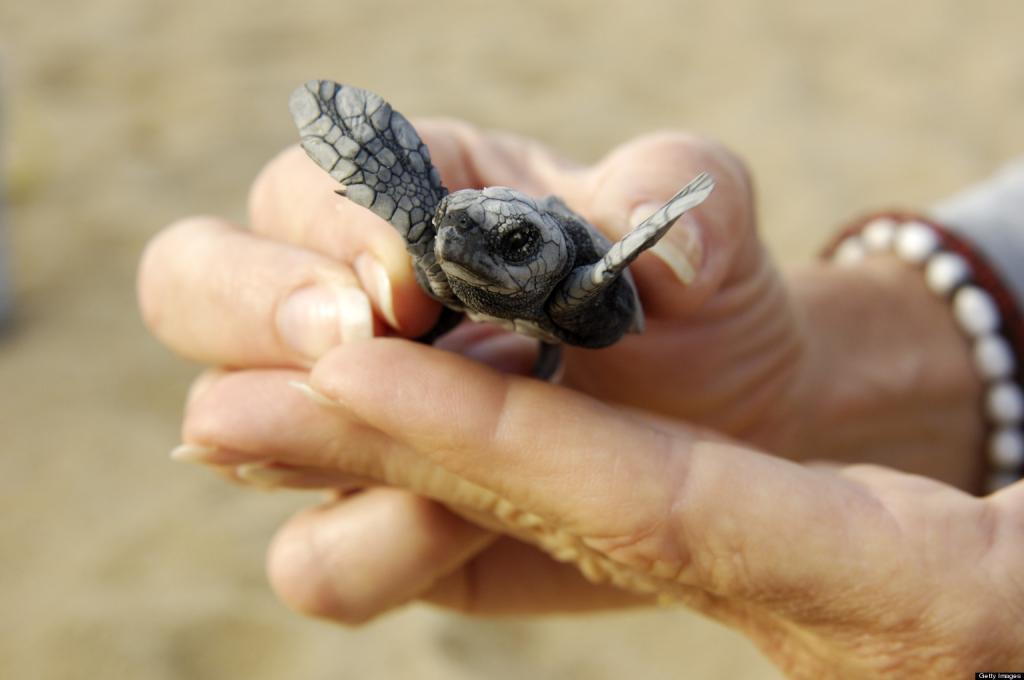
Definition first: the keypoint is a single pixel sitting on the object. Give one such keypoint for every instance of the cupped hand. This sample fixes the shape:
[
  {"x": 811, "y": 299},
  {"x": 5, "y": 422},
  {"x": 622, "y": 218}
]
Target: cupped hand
[
  {"x": 722, "y": 344},
  {"x": 835, "y": 572}
]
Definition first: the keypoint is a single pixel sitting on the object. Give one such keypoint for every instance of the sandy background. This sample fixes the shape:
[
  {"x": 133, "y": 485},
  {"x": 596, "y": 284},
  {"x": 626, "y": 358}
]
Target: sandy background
[{"x": 121, "y": 115}]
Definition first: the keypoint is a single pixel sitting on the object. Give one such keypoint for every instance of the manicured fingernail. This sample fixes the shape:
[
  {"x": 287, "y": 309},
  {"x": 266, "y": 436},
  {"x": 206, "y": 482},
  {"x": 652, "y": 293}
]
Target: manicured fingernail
[
  {"x": 314, "y": 319},
  {"x": 262, "y": 475},
  {"x": 676, "y": 260},
  {"x": 313, "y": 395},
  {"x": 191, "y": 453},
  {"x": 377, "y": 285},
  {"x": 680, "y": 249}
]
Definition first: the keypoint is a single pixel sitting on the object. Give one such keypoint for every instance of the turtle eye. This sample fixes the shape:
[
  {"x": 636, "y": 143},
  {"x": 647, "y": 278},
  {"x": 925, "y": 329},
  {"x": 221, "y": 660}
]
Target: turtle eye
[{"x": 518, "y": 245}]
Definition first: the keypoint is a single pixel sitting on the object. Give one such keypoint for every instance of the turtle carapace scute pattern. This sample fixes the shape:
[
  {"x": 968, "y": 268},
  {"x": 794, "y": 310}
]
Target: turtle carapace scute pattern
[{"x": 495, "y": 254}]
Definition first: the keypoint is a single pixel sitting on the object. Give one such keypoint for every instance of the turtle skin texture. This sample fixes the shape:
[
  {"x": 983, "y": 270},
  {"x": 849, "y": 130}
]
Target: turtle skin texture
[{"x": 494, "y": 254}]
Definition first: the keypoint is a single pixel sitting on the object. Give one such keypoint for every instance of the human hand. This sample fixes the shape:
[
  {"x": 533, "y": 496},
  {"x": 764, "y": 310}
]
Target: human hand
[
  {"x": 870, "y": 362},
  {"x": 718, "y": 322},
  {"x": 834, "y": 572}
]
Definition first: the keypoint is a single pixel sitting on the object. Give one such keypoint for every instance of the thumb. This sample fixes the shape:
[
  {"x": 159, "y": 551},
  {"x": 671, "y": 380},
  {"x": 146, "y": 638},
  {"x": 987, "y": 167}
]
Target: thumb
[
  {"x": 645, "y": 504},
  {"x": 709, "y": 247}
]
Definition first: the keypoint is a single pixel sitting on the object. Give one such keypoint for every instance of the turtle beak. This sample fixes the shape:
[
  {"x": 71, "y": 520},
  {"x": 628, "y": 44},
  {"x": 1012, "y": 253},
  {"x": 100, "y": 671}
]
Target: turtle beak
[
  {"x": 459, "y": 251},
  {"x": 459, "y": 240}
]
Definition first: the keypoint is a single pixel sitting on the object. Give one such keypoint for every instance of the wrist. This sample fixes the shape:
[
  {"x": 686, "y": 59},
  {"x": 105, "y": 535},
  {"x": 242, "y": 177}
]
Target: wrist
[{"x": 888, "y": 374}]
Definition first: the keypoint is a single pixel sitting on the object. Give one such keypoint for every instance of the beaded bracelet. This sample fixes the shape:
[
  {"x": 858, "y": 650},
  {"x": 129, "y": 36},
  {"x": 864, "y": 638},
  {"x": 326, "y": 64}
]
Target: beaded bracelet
[{"x": 984, "y": 308}]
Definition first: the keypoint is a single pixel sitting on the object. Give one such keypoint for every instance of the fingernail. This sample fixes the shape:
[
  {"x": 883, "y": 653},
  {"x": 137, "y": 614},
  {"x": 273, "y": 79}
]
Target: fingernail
[
  {"x": 262, "y": 475},
  {"x": 377, "y": 285},
  {"x": 191, "y": 453},
  {"x": 680, "y": 264},
  {"x": 314, "y": 319},
  {"x": 313, "y": 395},
  {"x": 680, "y": 249}
]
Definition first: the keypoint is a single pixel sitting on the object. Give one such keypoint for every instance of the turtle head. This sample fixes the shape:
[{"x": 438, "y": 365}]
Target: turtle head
[{"x": 500, "y": 241}]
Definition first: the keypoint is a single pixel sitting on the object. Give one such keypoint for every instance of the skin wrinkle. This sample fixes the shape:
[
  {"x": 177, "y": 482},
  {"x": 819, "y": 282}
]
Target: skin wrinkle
[
  {"x": 772, "y": 387},
  {"x": 878, "y": 656},
  {"x": 635, "y": 547},
  {"x": 730, "y": 533},
  {"x": 703, "y": 566},
  {"x": 754, "y": 335},
  {"x": 1007, "y": 527},
  {"x": 996, "y": 525},
  {"x": 857, "y": 649},
  {"x": 748, "y": 293},
  {"x": 754, "y": 332},
  {"x": 608, "y": 564},
  {"x": 833, "y": 616},
  {"x": 721, "y": 569},
  {"x": 496, "y": 430},
  {"x": 505, "y": 557},
  {"x": 838, "y": 304},
  {"x": 791, "y": 646}
]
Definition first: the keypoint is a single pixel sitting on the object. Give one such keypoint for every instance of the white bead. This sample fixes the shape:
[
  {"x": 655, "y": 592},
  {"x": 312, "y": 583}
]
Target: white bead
[
  {"x": 850, "y": 251},
  {"x": 1000, "y": 480},
  {"x": 1005, "y": 403},
  {"x": 975, "y": 311},
  {"x": 915, "y": 242},
  {"x": 1006, "y": 449},
  {"x": 879, "y": 234},
  {"x": 945, "y": 271},
  {"x": 993, "y": 357}
]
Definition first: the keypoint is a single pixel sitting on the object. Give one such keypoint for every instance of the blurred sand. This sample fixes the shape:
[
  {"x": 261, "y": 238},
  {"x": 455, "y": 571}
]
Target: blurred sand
[{"x": 123, "y": 115}]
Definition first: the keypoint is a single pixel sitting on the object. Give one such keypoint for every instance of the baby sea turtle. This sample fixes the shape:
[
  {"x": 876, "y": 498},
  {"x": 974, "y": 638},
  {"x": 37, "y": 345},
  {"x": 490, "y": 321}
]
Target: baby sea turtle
[{"x": 494, "y": 254}]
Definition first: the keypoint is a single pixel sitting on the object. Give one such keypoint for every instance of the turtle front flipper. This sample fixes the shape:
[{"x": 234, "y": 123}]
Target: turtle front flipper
[
  {"x": 375, "y": 153},
  {"x": 595, "y": 303}
]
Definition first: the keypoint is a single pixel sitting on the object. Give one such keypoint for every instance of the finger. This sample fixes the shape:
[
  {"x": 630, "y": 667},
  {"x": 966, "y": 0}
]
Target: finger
[
  {"x": 472, "y": 413},
  {"x": 293, "y": 200},
  {"x": 671, "y": 505},
  {"x": 709, "y": 246},
  {"x": 353, "y": 559},
  {"x": 255, "y": 416},
  {"x": 216, "y": 294},
  {"x": 279, "y": 424}
]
